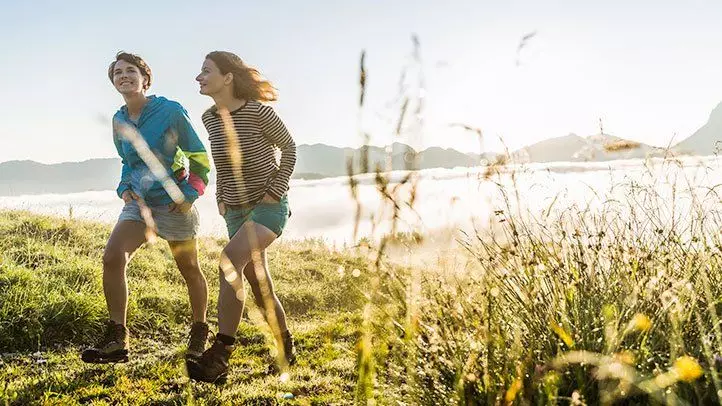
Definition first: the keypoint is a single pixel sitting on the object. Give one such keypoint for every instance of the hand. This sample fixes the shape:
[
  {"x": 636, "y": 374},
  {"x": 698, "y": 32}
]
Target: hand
[
  {"x": 268, "y": 199},
  {"x": 128, "y": 196},
  {"x": 222, "y": 209},
  {"x": 180, "y": 208}
]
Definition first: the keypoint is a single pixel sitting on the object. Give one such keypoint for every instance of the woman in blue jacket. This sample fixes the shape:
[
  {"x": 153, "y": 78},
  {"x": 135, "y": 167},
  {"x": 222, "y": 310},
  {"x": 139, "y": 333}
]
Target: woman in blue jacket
[{"x": 153, "y": 136}]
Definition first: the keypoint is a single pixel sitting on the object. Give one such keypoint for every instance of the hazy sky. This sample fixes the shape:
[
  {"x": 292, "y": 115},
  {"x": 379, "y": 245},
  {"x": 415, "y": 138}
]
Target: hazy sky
[{"x": 649, "y": 69}]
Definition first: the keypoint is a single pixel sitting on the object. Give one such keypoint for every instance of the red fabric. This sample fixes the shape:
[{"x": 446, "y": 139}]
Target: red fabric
[{"x": 197, "y": 183}]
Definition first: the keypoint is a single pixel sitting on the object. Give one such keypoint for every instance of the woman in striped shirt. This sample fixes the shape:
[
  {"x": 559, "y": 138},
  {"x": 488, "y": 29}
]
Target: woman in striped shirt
[{"x": 251, "y": 196}]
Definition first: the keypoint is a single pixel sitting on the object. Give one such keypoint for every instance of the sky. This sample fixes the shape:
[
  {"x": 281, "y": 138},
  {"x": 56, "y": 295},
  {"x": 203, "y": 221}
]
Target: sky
[{"x": 650, "y": 70}]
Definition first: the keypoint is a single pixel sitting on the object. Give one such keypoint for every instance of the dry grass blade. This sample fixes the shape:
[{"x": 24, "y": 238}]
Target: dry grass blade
[
  {"x": 362, "y": 79},
  {"x": 621, "y": 145},
  {"x": 132, "y": 135},
  {"x": 479, "y": 136},
  {"x": 522, "y": 44}
]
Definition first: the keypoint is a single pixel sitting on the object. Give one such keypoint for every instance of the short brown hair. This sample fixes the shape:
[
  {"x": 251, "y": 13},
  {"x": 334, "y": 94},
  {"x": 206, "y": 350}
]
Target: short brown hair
[
  {"x": 133, "y": 60},
  {"x": 248, "y": 84}
]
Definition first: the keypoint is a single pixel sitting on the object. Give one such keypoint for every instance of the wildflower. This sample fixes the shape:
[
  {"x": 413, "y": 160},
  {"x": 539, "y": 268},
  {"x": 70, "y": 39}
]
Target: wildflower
[
  {"x": 687, "y": 369},
  {"x": 563, "y": 335},
  {"x": 640, "y": 322},
  {"x": 513, "y": 391}
]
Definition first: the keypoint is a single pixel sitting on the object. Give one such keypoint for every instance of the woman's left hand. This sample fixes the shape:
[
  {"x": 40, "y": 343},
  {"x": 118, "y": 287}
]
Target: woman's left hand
[
  {"x": 180, "y": 208},
  {"x": 269, "y": 199}
]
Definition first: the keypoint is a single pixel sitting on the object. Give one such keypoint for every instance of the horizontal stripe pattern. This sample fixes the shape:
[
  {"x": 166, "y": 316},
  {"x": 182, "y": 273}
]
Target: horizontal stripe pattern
[{"x": 259, "y": 134}]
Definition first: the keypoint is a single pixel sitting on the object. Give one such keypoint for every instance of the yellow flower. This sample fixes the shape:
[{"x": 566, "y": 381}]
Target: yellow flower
[
  {"x": 513, "y": 391},
  {"x": 566, "y": 337},
  {"x": 687, "y": 369},
  {"x": 640, "y": 322}
]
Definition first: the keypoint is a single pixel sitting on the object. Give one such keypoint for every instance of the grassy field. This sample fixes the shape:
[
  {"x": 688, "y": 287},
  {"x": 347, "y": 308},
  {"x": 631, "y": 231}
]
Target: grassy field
[
  {"x": 602, "y": 307},
  {"x": 51, "y": 305}
]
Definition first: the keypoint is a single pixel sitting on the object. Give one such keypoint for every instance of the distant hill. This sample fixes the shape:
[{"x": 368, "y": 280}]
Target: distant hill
[
  {"x": 436, "y": 157},
  {"x": 30, "y": 177},
  {"x": 313, "y": 162},
  {"x": 319, "y": 160},
  {"x": 605, "y": 147},
  {"x": 551, "y": 150},
  {"x": 594, "y": 148},
  {"x": 704, "y": 141},
  {"x": 332, "y": 161}
]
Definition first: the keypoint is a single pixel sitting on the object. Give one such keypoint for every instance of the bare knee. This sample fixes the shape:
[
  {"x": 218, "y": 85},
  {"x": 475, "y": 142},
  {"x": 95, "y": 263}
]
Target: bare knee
[
  {"x": 190, "y": 270},
  {"x": 258, "y": 277},
  {"x": 235, "y": 257},
  {"x": 114, "y": 260}
]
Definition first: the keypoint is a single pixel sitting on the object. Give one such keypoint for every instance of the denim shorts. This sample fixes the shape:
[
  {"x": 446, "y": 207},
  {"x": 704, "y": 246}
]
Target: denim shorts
[
  {"x": 270, "y": 215},
  {"x": 169, "y": 226}
]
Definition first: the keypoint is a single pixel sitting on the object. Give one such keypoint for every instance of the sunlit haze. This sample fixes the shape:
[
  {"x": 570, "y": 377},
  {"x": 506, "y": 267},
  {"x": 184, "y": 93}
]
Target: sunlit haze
[{"x": 648, "y": 70}]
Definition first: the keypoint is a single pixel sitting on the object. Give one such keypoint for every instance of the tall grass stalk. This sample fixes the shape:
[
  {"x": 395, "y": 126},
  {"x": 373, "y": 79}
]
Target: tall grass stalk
[{"x": 614, "y": 300}]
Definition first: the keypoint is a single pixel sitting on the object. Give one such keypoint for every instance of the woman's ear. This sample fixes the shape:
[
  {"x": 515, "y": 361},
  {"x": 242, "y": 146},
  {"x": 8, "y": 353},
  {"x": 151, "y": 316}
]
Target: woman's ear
[{"x": 228, "y": 78}]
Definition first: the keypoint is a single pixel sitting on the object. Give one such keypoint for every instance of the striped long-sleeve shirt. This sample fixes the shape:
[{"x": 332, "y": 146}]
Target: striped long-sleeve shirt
[{"x": 243, "y": 150}]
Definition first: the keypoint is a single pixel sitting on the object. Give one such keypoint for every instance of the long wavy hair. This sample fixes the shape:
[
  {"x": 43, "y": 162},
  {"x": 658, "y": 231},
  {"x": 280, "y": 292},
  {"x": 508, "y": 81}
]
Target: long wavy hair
[{"x": 248, "y": 84}]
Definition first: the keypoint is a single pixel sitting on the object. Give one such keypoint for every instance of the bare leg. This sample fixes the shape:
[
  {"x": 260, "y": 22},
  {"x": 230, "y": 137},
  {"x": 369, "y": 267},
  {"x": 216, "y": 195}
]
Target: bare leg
[
  {"x": 185, "y": 254},
  {"x": 127, "y": 236},
  {"x": 243, "y": 249},
  {"x": 253, "y": 280},
  {"x": 231, "y": 300}
]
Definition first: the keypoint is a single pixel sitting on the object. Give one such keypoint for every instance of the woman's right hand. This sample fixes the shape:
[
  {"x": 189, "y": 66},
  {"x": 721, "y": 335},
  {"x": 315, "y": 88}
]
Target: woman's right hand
[
  {"x": 128, "y": 196},
  {"x": 222, "y": 209}
]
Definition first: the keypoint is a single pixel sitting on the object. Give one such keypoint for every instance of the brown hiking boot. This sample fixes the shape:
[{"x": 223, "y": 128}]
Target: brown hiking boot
[
  {"x": 197, "y": 340},
  {"x": 212, "y": 366},
  {"x": 112, "y": 347}
]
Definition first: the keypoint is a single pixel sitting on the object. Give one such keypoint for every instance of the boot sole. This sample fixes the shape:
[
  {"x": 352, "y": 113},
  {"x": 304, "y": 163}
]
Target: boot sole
[
  {"x": 196, "y": 375},
  {"x": 221, "y": 380},
  {"x": 110, "y": 359}
]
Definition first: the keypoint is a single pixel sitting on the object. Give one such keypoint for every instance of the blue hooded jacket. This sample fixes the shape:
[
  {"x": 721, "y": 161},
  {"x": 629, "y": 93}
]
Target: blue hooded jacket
[{"x": 154, "y": 151}]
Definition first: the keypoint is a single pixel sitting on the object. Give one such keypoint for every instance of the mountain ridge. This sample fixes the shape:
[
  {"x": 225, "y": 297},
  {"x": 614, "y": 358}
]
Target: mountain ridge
[{"x": 318, "y": 160}]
